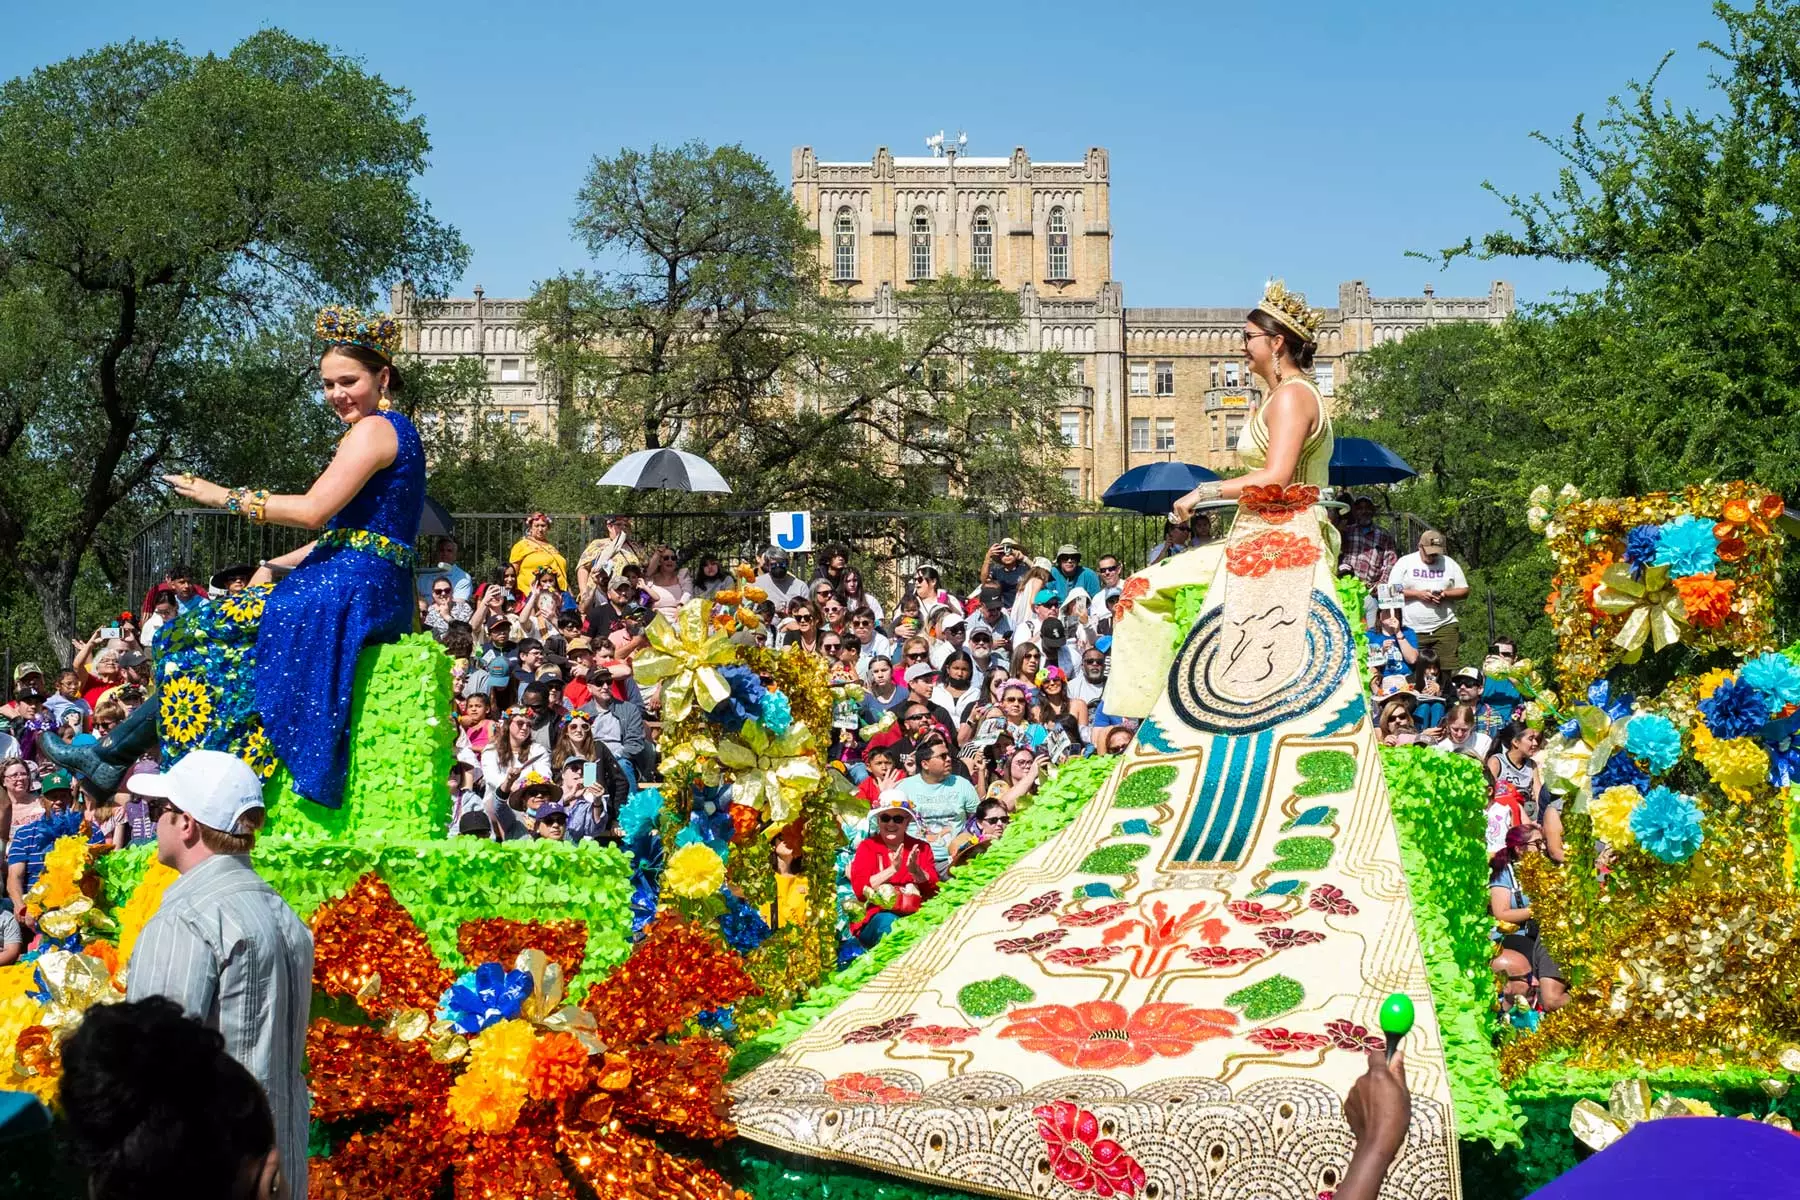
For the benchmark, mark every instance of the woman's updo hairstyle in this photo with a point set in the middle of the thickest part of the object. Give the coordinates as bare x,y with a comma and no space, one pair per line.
370,359
1301,352
156,1107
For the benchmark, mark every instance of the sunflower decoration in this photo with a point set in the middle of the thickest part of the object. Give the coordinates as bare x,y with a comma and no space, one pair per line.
186,711
504,1085
245,607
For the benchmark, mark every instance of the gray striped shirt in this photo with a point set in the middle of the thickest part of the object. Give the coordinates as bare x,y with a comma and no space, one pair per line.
229,950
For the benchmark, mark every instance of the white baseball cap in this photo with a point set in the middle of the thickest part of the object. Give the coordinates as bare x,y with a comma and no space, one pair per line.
211,786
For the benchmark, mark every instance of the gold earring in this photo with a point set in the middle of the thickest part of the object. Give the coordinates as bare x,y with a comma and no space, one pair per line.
384,404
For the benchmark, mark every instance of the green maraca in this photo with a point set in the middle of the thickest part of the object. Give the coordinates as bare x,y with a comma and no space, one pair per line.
1396,1020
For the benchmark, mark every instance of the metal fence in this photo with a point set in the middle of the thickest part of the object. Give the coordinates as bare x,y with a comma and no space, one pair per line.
883,545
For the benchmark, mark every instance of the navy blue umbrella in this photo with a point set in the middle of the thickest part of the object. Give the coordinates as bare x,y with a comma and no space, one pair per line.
1356,462
1154,488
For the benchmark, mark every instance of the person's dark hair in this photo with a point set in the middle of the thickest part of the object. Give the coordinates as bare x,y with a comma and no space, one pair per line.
886,752
1302,352
180,570
459,639
524,644
701,571
1427,658
155,1107
928,746
535,694
447,539
373,361
461,775
1503,741
1494,647
1465,712
163,596
1072,727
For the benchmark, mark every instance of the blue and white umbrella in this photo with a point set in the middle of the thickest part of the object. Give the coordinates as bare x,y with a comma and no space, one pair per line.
668,470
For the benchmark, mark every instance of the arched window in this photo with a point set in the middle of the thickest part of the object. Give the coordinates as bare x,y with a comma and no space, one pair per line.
1059,244
981,251
843,245
919,266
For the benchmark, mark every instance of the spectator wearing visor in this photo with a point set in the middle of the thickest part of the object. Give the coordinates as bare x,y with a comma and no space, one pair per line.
1069,573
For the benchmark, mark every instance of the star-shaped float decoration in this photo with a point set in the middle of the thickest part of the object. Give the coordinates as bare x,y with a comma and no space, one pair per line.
496,1080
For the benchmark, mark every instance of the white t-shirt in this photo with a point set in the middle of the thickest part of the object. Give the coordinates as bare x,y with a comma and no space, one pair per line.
1412,571
1475,745
1082,690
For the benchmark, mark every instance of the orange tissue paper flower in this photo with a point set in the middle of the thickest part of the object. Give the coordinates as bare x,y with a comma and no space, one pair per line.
1706,598
557,1067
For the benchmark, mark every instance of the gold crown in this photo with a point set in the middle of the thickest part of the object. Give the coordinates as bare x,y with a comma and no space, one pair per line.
339,325
1291,309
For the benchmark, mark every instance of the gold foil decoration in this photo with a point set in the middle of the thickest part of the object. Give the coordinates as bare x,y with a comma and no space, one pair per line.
409,1024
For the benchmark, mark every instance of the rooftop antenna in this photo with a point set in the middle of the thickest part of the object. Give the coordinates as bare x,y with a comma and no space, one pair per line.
935,144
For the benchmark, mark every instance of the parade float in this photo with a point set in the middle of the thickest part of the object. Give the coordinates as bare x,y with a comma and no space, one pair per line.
1161,982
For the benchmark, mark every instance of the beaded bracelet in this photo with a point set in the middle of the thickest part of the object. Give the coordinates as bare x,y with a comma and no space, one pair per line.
235,499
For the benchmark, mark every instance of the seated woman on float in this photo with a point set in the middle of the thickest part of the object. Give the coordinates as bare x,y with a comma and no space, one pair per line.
1287,441
267,674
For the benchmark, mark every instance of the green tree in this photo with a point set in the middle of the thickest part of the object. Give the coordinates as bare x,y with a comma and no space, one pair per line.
164,218
713,334
1681,364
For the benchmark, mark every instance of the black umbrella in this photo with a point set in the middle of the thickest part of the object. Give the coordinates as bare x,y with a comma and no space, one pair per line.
435,520
671,470
1356,462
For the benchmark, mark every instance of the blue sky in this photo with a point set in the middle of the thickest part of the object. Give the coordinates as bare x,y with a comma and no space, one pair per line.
1316,141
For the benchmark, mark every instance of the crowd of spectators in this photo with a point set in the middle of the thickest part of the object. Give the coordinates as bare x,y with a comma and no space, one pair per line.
971,689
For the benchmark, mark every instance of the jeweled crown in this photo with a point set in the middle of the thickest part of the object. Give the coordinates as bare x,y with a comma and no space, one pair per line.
1291,309
339,325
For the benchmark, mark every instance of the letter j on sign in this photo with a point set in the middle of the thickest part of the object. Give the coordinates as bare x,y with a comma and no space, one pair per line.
791,531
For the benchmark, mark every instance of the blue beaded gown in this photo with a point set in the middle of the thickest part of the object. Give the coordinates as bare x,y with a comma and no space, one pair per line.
267,674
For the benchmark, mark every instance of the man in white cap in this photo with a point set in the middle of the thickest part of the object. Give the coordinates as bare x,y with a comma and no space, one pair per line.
224,945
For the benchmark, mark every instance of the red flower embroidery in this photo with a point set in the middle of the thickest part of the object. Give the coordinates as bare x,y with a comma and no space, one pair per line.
1357,1038
890,1028
1250,912
1092,916
1032,944
1329,899
1099,1034
1135,589
1287,939
1283,1041
1080,1157
1277,504
867,1089
1225,956
939,1035
1042,906
1083,956
1276,550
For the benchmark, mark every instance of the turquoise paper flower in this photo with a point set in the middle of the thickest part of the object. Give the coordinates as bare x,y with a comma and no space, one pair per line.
777,713
1653,740
1688,546
1667,824
1775,677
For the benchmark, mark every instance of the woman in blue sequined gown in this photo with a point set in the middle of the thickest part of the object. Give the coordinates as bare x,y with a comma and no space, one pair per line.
267,674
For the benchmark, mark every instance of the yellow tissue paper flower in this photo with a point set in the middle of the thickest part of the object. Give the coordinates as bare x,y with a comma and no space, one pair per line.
1733,763
145,899
694,872
1611,814
488,1096
1709,683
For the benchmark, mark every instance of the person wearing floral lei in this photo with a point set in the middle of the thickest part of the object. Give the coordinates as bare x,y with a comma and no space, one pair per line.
266,674
1287,442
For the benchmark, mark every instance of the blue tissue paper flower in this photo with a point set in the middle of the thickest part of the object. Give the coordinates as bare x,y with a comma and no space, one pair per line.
1641,546
1735,709
1653,740
643,902
1621,769
777,713
1774,676
849,950
485,996
1688,546
743,926
722,1019
745,701
1667,824
710,824
1569,730
640,812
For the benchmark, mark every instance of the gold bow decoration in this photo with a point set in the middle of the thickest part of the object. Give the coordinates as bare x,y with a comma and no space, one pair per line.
698,754
543,1008
1571,763
1631,1104
688,655
771,774
1653,608
75,983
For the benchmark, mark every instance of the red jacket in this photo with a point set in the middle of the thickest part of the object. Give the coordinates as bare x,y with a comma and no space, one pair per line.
873,857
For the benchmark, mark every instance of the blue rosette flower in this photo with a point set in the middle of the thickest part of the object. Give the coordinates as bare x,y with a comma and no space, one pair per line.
721,1020
1688,546
710,820
1782,739
1735,709
777,713
1775,678
1600,695
1667,824
1653,740
1641,546
743,704
742,926
485,996
1620,770
643,901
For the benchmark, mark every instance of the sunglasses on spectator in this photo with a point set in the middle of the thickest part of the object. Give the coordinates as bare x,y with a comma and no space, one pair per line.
156,806
915,655
1093,662
553,819
804,618
864,621
1106,570
831,647
440,591
892,818
996,820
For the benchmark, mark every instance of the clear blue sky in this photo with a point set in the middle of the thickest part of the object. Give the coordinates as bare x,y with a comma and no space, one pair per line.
1317,141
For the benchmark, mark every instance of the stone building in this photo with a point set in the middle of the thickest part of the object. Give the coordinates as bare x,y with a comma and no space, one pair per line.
1154,384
